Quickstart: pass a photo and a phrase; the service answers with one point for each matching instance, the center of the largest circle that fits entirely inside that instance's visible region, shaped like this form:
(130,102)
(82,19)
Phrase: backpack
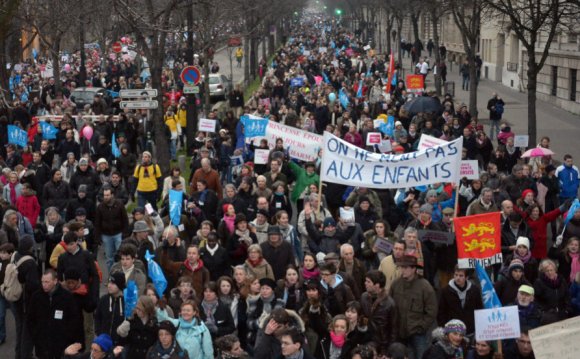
(499,108)
(12,289)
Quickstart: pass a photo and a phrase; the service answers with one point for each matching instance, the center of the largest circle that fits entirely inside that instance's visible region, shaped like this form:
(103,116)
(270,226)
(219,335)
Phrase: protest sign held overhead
(478,240)
(347,164)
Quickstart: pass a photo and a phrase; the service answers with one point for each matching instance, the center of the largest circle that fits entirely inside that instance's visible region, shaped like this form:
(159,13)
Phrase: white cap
(523,241)
(101,160)
(398,123)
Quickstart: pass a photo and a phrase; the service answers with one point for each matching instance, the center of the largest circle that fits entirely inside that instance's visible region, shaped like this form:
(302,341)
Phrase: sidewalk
(561,126)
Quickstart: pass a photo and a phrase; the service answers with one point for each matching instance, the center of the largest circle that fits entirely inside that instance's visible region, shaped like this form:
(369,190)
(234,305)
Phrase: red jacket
(29,207)
(538,229)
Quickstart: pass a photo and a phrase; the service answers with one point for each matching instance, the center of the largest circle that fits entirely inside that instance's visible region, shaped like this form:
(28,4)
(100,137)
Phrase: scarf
(209,309)
(255,263)
(338,339)
(226,300)
(230,222)
(552,283)
(202,195)
(575,267)
(298,355)
(165,353)
(525,258)
(310,273)
(12,192)
(244,236)
(212,250)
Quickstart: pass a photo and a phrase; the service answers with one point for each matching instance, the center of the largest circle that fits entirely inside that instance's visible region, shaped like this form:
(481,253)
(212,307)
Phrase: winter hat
(102,160)
(82,188)
(525,193)
(139,210)
(549,168)
(455,326)
(364,199)
(398,123)
(83,161)
(264,213)
(25,244)
(329,221)
(523,241)
(225,207)
(268,282)
(516,264)
(168,326)
(105,342)
(118,278)
(527,289)
(140,226)
(274,230)
(81,211)
(426,208)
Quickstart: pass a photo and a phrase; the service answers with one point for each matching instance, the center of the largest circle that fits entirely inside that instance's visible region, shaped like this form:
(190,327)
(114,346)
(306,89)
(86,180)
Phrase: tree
(8,9)
(436,10)
(151,23)
(467,16)
(530,20)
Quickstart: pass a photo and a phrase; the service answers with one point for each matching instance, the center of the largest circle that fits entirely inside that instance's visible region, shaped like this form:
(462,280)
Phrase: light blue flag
(114,147)
(575,206)
(175,200)
(130,294)
(156,274)
(389,127)
(343,98)
(17,136)
(254,127)
(48,131)
(325,77)
(489,296)
(360,88)
(297,82)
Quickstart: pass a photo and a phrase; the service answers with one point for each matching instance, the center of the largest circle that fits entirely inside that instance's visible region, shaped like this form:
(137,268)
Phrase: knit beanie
(455,326)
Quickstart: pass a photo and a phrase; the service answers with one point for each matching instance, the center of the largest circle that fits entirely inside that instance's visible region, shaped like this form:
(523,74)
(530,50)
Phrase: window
(554,91)
(573,82)
(572,38)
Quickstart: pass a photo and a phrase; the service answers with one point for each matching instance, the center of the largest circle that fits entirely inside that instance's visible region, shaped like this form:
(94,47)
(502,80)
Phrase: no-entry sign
(117,47)
(190,75)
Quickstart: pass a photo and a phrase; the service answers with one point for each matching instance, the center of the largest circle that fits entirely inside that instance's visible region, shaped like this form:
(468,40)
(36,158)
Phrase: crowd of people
(261,264)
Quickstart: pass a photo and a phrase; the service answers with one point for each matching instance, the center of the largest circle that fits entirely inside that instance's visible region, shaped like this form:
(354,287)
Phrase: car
(218,86)
(82,96)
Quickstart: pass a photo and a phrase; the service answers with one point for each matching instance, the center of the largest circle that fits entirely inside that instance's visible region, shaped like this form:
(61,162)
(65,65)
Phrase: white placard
(559,340)
(261,156)
(322,50)
(521,140)
(469,169)
(206,125)
(385,146)
(373,138)
(427,141)
(347,164)
(347,214)
(497,323)
(367,47)
(301,144)
(306,53)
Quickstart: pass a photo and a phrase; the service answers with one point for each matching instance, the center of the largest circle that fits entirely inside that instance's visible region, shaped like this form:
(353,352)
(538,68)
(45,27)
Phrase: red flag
(391,72)
(478,238)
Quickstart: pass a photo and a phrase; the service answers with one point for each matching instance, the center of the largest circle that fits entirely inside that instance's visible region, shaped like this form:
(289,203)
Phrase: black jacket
(55,194)
(223,320)
(217,264)
(54,322)
(89,178)
(109,315)
(111,219)
(382,315)
(141,337)
(84,262)
(450,306)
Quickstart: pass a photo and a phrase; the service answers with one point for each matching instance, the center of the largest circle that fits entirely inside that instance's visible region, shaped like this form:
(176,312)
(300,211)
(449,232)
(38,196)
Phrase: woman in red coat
(538,222)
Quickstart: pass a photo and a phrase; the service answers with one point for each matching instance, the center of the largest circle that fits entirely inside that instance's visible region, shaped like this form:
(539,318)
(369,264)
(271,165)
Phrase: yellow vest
(171,121)
(149,183)
(239,52)
(182,115)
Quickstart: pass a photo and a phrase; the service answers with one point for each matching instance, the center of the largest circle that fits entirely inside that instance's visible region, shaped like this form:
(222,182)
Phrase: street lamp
(338,12)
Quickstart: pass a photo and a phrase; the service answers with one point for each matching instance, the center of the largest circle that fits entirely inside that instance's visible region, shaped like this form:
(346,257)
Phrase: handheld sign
(469,169)
(207,125)
(497,323)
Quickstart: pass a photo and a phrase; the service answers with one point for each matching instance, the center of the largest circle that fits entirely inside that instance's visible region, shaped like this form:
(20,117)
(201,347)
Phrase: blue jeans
(147,197)
(112,244)
(494,129)
(3,308)
(465,83)
(173,149)
(418,345)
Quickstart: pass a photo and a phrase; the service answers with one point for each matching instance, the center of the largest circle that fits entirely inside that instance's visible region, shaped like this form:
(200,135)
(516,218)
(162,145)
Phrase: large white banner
(353,166)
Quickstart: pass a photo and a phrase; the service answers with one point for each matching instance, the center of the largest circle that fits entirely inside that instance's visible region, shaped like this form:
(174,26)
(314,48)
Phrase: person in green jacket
(304,178)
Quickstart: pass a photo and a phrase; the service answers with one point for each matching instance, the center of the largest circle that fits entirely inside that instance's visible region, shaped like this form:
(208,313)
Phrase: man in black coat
(215,258)
(278,252)
(54,319)
(110,311)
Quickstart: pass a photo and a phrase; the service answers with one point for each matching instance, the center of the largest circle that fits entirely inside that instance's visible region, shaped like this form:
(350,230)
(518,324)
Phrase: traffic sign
(234,41)
(138,93)
(139,105)
(117,47)
(191,75)
(190,89)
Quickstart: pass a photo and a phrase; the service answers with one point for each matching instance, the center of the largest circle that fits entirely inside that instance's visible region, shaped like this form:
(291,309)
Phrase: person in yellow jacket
(148,178)
(182,117)
(172,122)
(239,56)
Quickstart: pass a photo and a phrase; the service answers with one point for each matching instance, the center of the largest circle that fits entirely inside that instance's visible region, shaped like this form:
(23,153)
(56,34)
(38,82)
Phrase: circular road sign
(191,75)
(117,47)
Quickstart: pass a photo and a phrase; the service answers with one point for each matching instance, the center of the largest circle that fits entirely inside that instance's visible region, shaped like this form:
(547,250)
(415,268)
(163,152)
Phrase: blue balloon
(332,97)
(131,295)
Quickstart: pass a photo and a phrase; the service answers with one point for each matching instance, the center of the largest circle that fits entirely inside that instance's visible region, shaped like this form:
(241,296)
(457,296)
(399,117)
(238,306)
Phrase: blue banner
(343,98)
(115,147)
(130,294)
(48,131)
(389,127)
(254,127)
(175,200)
(488,294)
(17,136)
(297,82)
(156,274)
(325,77)
(359,92)
(573,208)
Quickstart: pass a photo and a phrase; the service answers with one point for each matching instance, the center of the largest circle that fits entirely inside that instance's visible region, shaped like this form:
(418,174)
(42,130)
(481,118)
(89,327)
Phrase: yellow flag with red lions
(478,239)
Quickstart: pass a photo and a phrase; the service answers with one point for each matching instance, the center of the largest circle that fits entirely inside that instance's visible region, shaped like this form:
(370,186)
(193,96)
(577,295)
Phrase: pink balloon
(123,39)
(67,68)
(88,132)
